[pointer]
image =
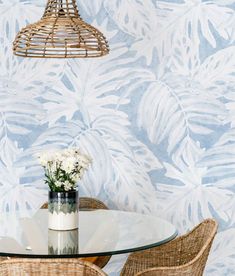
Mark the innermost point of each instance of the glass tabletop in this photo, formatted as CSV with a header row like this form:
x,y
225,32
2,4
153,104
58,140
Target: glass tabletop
x,y
100,232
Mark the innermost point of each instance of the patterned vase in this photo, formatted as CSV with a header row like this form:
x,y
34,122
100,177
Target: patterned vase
x,y
63,210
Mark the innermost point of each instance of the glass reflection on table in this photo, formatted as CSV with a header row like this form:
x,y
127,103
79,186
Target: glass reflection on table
x,y
62,242
100,232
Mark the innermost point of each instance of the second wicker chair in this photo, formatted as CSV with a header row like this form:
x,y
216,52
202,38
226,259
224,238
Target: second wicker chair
x,y
184,256
48,267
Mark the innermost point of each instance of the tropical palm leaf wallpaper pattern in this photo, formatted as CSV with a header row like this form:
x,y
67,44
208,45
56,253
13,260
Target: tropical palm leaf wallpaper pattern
x,y
157,115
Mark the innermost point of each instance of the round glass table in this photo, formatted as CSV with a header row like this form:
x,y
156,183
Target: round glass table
x,y
100,232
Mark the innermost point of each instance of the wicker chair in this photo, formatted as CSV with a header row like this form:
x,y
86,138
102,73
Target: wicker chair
x,y
185,255
4,258
48,267
88,203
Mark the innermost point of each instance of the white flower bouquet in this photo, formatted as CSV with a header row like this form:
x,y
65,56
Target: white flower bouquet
x,y
64,168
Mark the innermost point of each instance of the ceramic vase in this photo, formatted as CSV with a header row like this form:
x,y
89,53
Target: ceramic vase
x,y
63,210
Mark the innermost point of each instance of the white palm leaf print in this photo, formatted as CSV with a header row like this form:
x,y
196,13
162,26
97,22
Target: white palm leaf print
x,y
192,15
224,2
94,86
87,88
132,16
131,162
221,261
20,81
101,173
107,143
90,7
191,197
220,160
157,115
13,232
17,115
16,195
189,17
184,59
188,100
22,12
216,74
56,137
177,113
90,96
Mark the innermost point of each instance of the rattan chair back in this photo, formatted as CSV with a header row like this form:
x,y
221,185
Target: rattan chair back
x,y
86,204
48,267
184,256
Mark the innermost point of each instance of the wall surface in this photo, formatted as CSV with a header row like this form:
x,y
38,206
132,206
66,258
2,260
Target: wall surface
x,y
157,115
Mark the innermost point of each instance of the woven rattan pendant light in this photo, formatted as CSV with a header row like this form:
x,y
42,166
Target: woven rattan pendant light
x,y
61,33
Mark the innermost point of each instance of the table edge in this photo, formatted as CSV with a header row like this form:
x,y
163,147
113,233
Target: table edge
x,y
84,255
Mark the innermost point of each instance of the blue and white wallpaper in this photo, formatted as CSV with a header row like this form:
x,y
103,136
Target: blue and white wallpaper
x,y
157,115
